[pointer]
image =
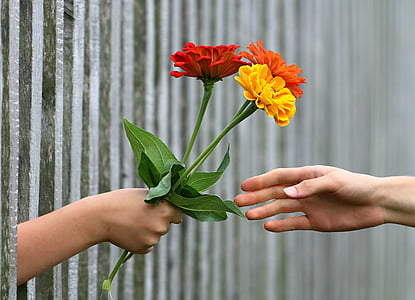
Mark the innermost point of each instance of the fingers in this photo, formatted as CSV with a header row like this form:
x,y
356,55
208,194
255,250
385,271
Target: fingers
x,y
310,187
273,208
145,251
260,196
173,212
177,217
288,224
274,177
287,176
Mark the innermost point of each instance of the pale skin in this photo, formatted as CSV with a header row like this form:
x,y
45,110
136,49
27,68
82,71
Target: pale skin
x,y
120,217
328,199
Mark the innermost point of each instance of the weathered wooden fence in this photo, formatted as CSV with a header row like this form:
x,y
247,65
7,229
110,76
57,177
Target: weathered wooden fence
x,y
70,70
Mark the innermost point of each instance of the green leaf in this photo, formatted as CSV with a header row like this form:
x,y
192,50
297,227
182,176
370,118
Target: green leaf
x,y
206,216
225,161
204,207
143,141
159,191
189,192
148,172
202,181
171,170
235,209
173,165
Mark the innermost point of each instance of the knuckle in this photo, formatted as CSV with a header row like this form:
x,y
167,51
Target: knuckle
x,y
306,185
148,250
143,246
336,180
153,240
162,229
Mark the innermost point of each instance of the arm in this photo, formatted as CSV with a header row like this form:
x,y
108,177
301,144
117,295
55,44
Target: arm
x,y
120,217
330,199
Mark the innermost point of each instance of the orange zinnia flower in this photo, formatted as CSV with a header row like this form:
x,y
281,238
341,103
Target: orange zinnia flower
x,y
207,62
268,92
277,66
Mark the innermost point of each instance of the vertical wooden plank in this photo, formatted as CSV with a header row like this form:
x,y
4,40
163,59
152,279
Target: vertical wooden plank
x,y
219,112
93,163
76,129
149,66
25,94
246,259
115,92
176,258
9,214
149,122
128,61
163,125
189,283
138,261
36,108
340,152
128,169
68,27
205,11
115,120
29,185
44,282
1,138
272,242
59,92
226,286
82,288
104,126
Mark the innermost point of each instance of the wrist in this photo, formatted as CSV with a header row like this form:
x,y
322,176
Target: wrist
x,y
92,218
111,211
396,195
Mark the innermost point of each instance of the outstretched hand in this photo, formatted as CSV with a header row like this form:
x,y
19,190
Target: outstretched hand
x,y
330,199
120,217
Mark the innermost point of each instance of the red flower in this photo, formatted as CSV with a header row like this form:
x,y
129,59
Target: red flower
x,y
277,65
207,62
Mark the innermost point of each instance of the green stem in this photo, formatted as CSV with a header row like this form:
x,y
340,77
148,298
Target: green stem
x,y
243,107
246,110
126,255
208,89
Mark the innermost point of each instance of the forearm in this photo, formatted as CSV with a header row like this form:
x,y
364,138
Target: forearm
x,y
397,196
50,239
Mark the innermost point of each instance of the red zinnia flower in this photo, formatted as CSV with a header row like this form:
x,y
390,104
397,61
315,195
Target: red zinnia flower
x,y
207,62
277,65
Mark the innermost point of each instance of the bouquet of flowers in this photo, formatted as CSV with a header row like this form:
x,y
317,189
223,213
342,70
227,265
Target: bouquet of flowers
x,y
269,85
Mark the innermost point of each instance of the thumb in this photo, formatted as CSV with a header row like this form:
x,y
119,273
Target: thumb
x,y
308,188
177,217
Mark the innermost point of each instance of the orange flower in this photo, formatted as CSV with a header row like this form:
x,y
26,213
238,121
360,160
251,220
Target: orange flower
x,y
268,92
277,66
207,62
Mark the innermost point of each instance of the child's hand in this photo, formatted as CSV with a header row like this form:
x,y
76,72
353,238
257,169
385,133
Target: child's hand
x,y
130,223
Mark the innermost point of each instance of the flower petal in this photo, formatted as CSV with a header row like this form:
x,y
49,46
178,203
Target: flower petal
x,y
269,93
207,62
277,66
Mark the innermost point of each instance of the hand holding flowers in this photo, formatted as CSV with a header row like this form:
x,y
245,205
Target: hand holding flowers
x,y
269,85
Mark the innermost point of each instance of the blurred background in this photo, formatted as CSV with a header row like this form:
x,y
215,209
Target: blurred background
x,y
70,70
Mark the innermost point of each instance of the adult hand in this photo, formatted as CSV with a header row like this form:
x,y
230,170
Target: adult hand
x,y
330,199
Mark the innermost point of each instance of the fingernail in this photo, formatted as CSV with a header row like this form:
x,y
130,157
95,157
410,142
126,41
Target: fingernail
x,y
291,191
